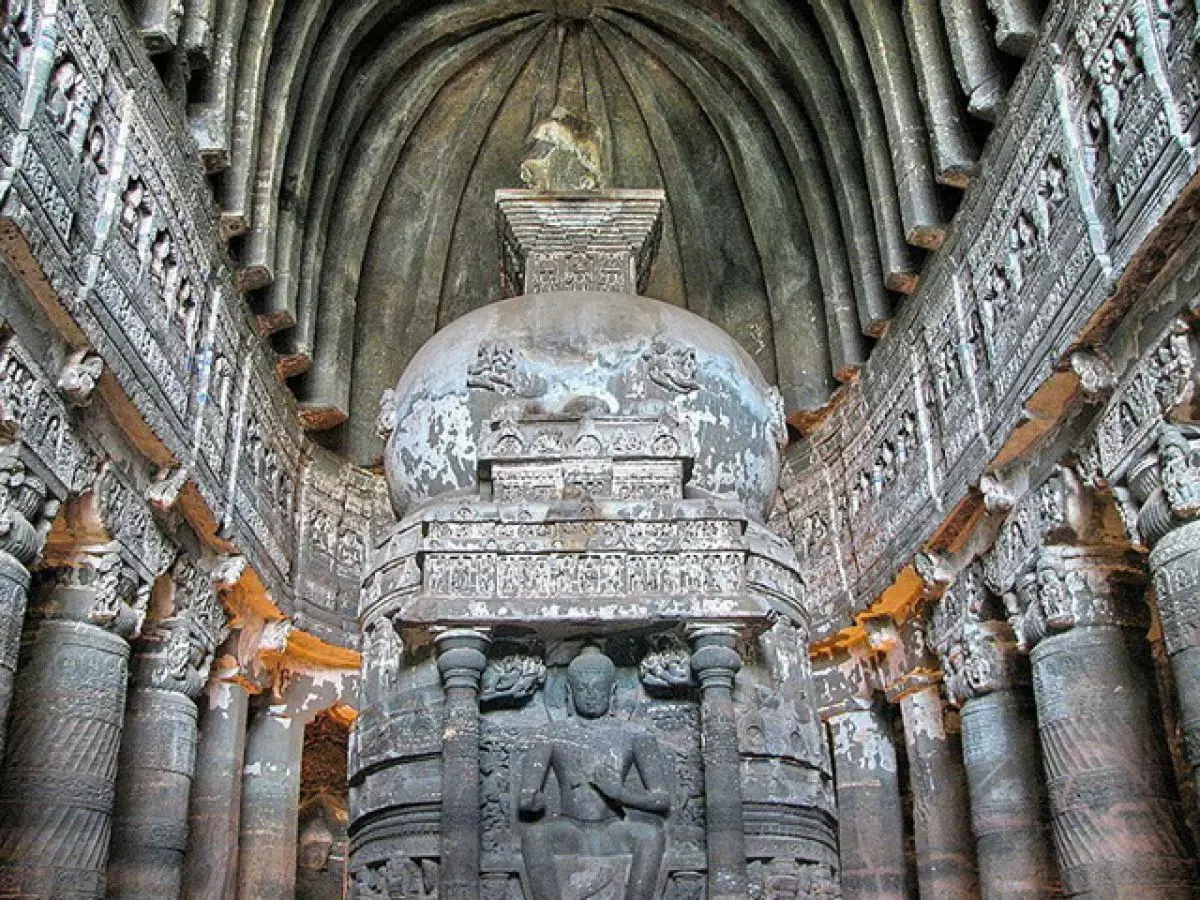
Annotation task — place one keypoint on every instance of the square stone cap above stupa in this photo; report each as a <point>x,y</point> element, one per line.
<point>595,240</point>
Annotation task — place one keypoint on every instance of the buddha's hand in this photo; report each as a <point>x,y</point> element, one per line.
<point>531,801</point>
<point>609,783</point>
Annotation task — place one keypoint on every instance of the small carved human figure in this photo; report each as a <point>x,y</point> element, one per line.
<point>602,812</point>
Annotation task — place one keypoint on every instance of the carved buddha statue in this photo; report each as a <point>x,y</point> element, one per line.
<point>603,812</point>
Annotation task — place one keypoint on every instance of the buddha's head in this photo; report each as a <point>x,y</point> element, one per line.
<point>591,680</point>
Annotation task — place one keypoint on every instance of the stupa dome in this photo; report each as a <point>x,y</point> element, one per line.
<point>593,356</point>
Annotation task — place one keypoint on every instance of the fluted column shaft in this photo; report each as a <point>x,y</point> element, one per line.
<point>22,507</point>
<point>60,766</point>
<point>1115,817</point>
<point>14,585</point>
<point>211,860</point>
<point>158,754</point>
<point>870,814</point>
<point>1175,570</point>
<point>1008,797</point>
<point>715,661</point>
<point>270,806</point>
<point>941,809</point>
<point>461,660</point>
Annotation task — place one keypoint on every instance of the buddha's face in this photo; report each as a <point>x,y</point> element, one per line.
<point>591,690</point>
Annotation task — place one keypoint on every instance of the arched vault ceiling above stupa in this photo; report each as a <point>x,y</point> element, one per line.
<point>805,149</point>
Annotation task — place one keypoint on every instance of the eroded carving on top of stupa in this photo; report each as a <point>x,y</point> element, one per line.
<point>566,154</point>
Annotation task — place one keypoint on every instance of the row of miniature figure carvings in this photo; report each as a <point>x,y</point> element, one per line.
<point>1097,147</point>
<point>112,235</point>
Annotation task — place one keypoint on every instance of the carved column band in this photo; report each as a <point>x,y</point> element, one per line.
<point>461,660</point>
<point>211,860</point>
<point>1004,770</point>
<point>870,813</point>
<point>158,751</point>
<point>1175,568</point>
<point>21,498</point>
<point>716,662</point>
<point>1115,817</point>
<point>941,814</point>
<point>270,805</point>
<point>58,782</point>
<point>153,780</point>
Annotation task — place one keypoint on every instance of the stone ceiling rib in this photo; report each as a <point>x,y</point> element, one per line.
<point>804,153</point>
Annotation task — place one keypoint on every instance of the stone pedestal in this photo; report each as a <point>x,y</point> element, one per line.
<point>715,661</point>
<point>870,815</point>
<point>1114,813</point>
<point>941,812</point>
<point>211,860</point>
<point>270,806</point>
<point>154,778</point>
<point>461,660</point>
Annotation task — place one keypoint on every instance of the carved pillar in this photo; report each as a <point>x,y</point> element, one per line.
<point>910,677</point>
<point>270,804</point>
<point>1115,818</point>
<point>461,660</point>
<point>870,812</point>
<point>1167,484</point>
<point>158,748</point>
<point>989,680</point>
<point>715,661</point>
<point>214,815</point>
<point>941,812</point>
<point>57,785</point>
<point>21,500</point>
<point>870,815</point>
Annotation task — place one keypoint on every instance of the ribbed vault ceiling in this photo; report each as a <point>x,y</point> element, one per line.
<point>805,150</point>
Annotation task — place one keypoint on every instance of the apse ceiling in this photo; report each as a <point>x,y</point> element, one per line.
<point>810,153</point>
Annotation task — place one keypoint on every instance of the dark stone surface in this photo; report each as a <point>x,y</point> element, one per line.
<point>154,778</point>
<point>941,808</point>
<point>59,776</point>
<point>1008,797</point>
<point>214,814</point>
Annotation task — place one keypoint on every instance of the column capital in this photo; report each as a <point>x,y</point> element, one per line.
<point>25,512</point>
<point>93,585</point>
<point>1071,587</point>
<point>977,647</point>
<point>984,659</point>
<point>715,658</point>
<point>906,662</point>
<point>461,656</point>
<point>183,631</point>
<point>845,681</point>
<point>1165,483</point>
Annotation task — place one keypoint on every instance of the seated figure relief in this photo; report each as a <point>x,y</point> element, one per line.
<point>605,815</point>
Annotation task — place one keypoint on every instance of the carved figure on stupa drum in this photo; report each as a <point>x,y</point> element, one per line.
<point>612,789</point>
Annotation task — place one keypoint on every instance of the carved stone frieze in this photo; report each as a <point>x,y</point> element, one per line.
<point>1058,509</point>
<point>177,645</point>
<point>1077,586</point>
